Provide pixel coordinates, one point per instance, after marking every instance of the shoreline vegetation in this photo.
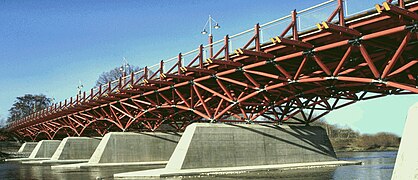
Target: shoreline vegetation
(345, 139)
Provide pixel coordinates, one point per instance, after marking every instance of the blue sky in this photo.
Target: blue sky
(48, 46)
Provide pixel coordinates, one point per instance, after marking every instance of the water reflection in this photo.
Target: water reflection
(376, 165)
(305, 174)
(22, 171)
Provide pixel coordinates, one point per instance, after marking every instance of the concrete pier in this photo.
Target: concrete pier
(72, 150)
(406, 166)
(226, 147)
(43, 150)
(27, 147)
(130, 149)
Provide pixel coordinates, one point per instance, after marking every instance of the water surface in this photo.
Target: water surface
(376, 165)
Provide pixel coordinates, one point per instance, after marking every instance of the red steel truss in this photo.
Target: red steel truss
(294, 79)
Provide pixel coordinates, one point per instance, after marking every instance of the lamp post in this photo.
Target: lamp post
(125, 67)
(216, 26)
(79, 87)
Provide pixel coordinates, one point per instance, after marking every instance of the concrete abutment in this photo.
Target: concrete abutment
(27, 147)
(223, 145)
(231, 147)
(71, 150)
(44, 149)
(121, 147)
(76, 148)
(128, 148)
(406, 166)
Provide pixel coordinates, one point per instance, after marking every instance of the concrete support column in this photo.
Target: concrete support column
(27, 147)
(44, 149)
(205, 148)
(122, 147)
(72, 148)
(129, 149)
(224, 145)
(406, 166)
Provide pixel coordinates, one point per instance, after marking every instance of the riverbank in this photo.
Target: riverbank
(8, 149)
(360, 149)
(345, 139)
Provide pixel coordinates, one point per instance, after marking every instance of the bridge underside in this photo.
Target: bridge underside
(295, 79)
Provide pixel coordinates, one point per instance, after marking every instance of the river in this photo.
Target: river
(376, 165)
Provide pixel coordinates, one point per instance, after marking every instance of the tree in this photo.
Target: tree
(115, 74)
(2, 121)
(26, 105)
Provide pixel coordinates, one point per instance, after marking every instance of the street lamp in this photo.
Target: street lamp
(125, 67)
(216, 26)
(79, 87)
(209, 22)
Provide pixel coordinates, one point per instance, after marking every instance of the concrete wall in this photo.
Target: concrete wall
(406, 166)
(221, 145)
(120, 147)
(45, 149)
(10, 146)
(76, 148)
(27, 147)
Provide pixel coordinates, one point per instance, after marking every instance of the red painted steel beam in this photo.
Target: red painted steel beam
(341, 29)
(396, 56)
(245, 52)
(179, 77)
(222, 62)
(403, 68)
(369, 61)
(198, 70)
(289, 42)
(386, 7)
(322, 65)
(159, 82)
(342, 61)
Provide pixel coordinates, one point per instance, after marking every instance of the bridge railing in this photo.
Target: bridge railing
(221, 49)
(306, 19)
(270, 30)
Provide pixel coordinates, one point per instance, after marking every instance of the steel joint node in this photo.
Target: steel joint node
(379, 81)
(292, 81)
(309, 52)
(355, 42)
(412, 28)
(331, 78)
(261, 89)
(270, 61)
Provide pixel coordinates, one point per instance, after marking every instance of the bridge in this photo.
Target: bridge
(275, 72)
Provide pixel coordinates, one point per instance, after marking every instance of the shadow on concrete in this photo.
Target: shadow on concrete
(309, 139)
(163, 138)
